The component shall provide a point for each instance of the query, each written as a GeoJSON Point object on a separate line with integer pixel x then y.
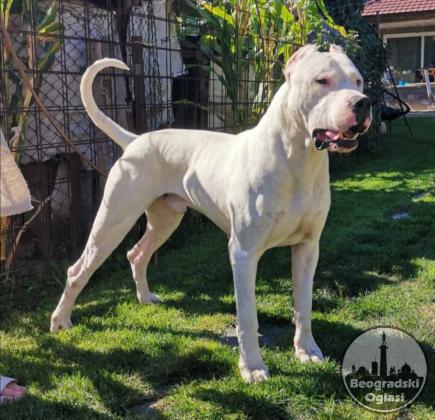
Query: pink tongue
{"type": "Point", "coordinates": [333, 135]}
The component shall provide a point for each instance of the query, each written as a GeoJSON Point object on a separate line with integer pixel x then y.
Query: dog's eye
{"type": "Point", "coordinates": [358, 83]}
{"type": "Point", "coordinates": [322, 81]}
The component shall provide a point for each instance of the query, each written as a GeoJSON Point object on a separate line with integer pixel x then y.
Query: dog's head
{"type": "Point", "coordinates": [326, 88]}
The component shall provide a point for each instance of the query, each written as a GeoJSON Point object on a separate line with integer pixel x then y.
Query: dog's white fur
{"type": "Point", "coordinates": [265, 187]}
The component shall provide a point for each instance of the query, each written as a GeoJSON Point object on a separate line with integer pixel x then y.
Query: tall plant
{"type": "Point", "coordinates": [250, 40]}
{"type": "Point", "coordinates": [40, 45]}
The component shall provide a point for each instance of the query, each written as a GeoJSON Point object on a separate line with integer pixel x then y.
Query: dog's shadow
{"type": "Point", "coordinates": [352, 263]}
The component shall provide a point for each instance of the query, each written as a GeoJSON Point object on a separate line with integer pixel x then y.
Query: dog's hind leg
{"type": "Point", "coordinates": [163, 217]}
{"type": "Point", "coordinates": [119, 210]}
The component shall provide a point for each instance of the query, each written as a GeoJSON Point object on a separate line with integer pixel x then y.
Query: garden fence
{"type": "Point", "coordinates": [189, 68]}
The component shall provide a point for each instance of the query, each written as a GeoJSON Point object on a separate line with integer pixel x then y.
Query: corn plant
{"type": "Point", "coordinates": [250, 40]}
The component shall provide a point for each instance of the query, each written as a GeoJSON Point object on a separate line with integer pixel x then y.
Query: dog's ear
{"type": "Point", "coordinates": [298, 56]}
{"type": "Point", "coordinates": [333, 48]}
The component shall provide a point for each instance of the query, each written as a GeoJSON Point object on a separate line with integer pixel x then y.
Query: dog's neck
{"type": "Point", "coordinates": [288, 125]}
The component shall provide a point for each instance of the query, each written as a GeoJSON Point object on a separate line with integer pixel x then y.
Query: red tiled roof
{"type": "Point", "coordinates": [388, 7]}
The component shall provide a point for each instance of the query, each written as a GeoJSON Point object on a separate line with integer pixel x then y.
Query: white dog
{"type": "Point", "coordinates": [265, 187]}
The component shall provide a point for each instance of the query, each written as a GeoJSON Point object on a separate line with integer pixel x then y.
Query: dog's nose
{"type": "Point", "coordinates": [361, 108]}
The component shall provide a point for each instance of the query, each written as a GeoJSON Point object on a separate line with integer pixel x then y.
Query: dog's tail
{"type": "Point", "coordinates": [121, 136]}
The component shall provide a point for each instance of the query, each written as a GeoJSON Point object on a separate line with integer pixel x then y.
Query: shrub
{"type": "Point", "coordinates": [370, 57]}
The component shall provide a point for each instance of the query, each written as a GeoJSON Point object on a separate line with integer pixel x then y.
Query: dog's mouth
{"type": "Point", "coordinates": [335, 140]}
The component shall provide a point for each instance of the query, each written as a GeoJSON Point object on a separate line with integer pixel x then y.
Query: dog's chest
{"type": "Point", "coordinates": [302, 214]}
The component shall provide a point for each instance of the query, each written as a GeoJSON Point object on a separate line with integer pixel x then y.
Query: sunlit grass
{"type": "Point", "coordinates": [125, 360]}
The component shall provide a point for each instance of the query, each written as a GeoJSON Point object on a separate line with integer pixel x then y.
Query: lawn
{"type": "Point", "coordinates": [178, 359]}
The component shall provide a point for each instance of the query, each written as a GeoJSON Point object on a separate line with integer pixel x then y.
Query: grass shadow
{"type": "Point", "coordinates": [160, 368]}
{"type": "Point", "coordinates": [36, 408]}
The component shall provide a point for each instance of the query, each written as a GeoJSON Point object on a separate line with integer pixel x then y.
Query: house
{"type": "Point", "coordinates": [407, 27]}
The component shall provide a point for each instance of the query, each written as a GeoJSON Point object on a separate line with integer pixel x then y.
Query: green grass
{"type": "Point", "coordinates": [170, 360]}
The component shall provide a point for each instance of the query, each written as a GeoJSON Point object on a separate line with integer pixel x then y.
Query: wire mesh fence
{"type": "Point", "coordinates": [190, 67]}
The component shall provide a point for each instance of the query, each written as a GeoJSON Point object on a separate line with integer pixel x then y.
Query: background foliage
{"type": "Point", "coordinates": [252, 40]}
{"type": "Point", "coordinates": [370, 56]}
{"type": "Point", "coordinates": [36, 47]}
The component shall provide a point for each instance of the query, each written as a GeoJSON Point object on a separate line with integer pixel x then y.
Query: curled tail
{"type": "Point", "coordinates": [121, 136]}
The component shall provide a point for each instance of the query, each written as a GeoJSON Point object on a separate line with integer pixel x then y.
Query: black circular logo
{"type": "Point", "coordinates": [384, 369]}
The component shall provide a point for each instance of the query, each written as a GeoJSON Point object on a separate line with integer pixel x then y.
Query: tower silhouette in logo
{"type": "Point", "coordinates": [383, 367]}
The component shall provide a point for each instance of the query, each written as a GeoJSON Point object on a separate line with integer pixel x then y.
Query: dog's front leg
{"type": "Point", "coordinates": [244, 265]}
{"type": "Point", "coordinates": [304, 261]}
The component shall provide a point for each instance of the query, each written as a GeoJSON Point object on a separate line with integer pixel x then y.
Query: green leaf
{"type": "Point", "coordinates": [219, 12]}
{"type": "Point", "coordinates": [5, 10]}
{"type": "Point", "coordinates": [42, 63]}
{"type": "Point", "coordinates": [50, 28]}
{"type": "Point", "coordinates": [49, 18]}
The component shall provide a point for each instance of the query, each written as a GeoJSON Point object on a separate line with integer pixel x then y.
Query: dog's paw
{"type": "Point", "coordinates": [58, 324]}
{"type": "Point", "coordinates": [148, 299]}
{"type": "Point", "coordinates": [310, 351]}
{"type": "Point", "coordinates": [252, 375]}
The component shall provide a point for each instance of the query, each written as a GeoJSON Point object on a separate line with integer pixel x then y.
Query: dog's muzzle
{"type": "Point", "coordinates": [324, 139]}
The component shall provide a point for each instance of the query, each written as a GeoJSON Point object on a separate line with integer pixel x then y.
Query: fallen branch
{"type": "Point", "coordinates": [23, 228]}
